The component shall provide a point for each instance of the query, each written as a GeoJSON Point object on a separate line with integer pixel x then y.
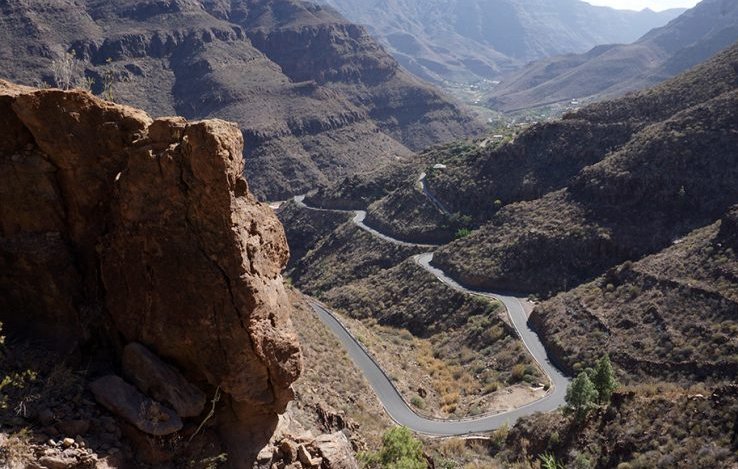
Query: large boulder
{"type": "Point", "coordinates": [115, 226]}
{"type": "Point", "coordinates": [127, 402]}
{"type": "Point", "coordinates": [161, 381]}
{"type": "Point", "coordinates": [329, 451]}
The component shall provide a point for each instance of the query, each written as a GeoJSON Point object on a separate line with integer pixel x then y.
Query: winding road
{"type": "Point", "coordinates": [396, 406]}
{"type": "Point", "coordinates": [423, 186]}
{"type": "Point", "coordinates": [359, 217]}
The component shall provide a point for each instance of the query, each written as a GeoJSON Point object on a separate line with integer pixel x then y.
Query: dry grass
{"type": "Point", "coordinates": [645, 426]}
{"type": "Point", "coordinates": [432, 376]}
{"type": "Point", "coordinates": [15, 450]}
{"type": "Point", "coordinates": [331, 378]}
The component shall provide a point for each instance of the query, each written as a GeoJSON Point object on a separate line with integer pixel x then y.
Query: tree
{"type": "Point", "coordinates": [604, 380]}
{"type": "Point", "coordinates": [400, 450]}
{"type": "Point", "coordinates": [581, 396]}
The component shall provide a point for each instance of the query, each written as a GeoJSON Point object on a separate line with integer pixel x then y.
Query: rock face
{"type": "Point", "coordinates": [116, 226]}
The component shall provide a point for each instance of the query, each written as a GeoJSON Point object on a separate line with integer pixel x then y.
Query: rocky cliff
{"type": "Point", "coordinates": [118, 229]}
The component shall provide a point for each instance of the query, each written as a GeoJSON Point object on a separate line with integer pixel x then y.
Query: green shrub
{"type": "Point", "coordinates": [549, 461]}
{"type": "Point", "coordinates": [418, 402]}
{"type": "Point", "coordinates": [582, 461]}
{"type": "Point", "coordinates": [400, 450]}
{"type": "Point", "coordinates": [517, 373]}
{"type": "Point", "coordinates": [499, 436]}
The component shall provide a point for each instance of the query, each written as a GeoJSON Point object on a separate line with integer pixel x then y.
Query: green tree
{"type": "Point", "coordinates": [604, 380]}
{"type": "Point", "coordinates": [400, 450]}
{"type": "Point", "coordinates": [581, 395]}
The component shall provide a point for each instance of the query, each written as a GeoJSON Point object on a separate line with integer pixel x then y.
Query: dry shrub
{"type": "Point", "coordinates": [15, 450]}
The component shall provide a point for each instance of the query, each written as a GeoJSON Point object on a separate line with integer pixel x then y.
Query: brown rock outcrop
{"type": "Point", "coordinates": [328, 451]}
{"type": "Point", "coordinates": [117, 226]}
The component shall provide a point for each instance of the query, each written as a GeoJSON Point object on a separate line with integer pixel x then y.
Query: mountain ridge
{"type": "Point", "coordinates": [449, 40]}
{"type": "Point", "coordinates": [614, 69]}
{"type": "Point", "coordinates": [302, 125]}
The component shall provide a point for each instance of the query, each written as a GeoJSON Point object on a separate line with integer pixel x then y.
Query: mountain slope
{"type": "Point", "coordinates": [627, 206]}
{"type": "Point", "coordinates": [468, 40]}
{"type": "Point", "coordinates": [670, 315]}
{"type": "Point", "coordinates": [612, 70]}
{"type": "Point", "coordinates": [315, 96]}
{"type": "Point", "coordinates": [676, 173]}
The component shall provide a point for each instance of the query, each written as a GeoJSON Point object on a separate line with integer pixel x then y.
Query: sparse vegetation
{"type": "Point", "coordinates": [15, 451]}
{"type": "Point", "coordinates": [400, 450]}
{"type": "Point", "coordinates": [462, 233]}
{"type": "Point", "coordinates": [461, 356]}
{"type": "Point", "coordinates": [644, 426]}
{"type": "Point", "coordinates": [66, 71]}
{"type": "Point", "coordinates": [108, 81]}
{"type": "Point", "coordinates": [418, 402]}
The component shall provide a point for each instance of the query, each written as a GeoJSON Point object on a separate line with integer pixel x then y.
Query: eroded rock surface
{"type": "Point", "coordinates": [117, 226]}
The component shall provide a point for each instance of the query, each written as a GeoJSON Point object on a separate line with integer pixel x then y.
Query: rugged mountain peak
{"type": "Point", "coordinates": [117, 228]}
{"type": "Point", "coordinates": [470, 40]}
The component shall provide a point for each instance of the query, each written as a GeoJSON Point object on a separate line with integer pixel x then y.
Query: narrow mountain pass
{"type": "Point", "coordinates": [396, 406]}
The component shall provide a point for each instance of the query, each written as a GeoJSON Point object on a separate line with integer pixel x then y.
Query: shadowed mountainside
{"type": "Point", "coordinates": [316, 97]}
{"type": "Point", "coordinates": [675, 173]}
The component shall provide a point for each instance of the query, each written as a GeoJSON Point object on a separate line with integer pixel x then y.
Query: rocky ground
{"type": "Point", "coordinates": [652, 425]}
